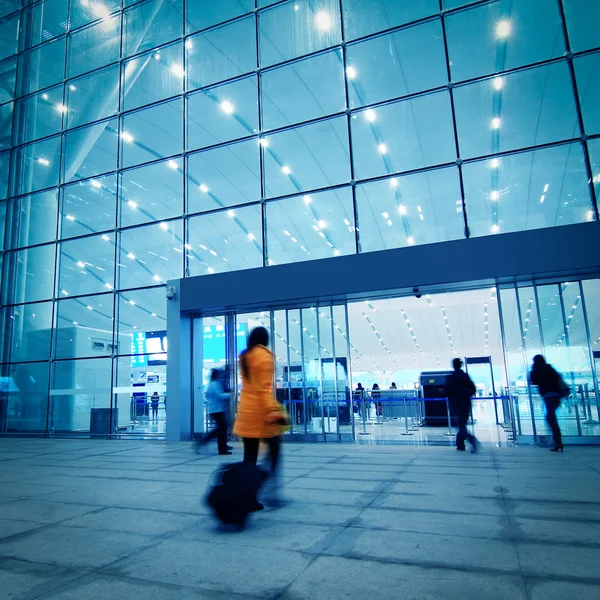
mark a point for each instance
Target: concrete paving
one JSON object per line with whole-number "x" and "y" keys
{"x": 93, "y": 519}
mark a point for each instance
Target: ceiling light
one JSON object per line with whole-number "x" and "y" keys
{"x": 70, "y": 218}
{"x": 402, "y": 209}
{"x": 80, "y": 264}
{"x": 132, "y": 204}
{"x": 156, "y": 278}
{"x": 286, "y": 170}
{"x": 178, "y": 71}
{"x": 394, "y": 182}
{"x": 351, "y": 72}
{"x": 495, "y": 229}
{"x": 108, "y": 286}
{"x": 210, "y": 270}
{"x": 164, "y": 226}
{"x": 323, "y": 20}
{"x": 203, "y": 188}
{"x": 546, "y": 187}
{"x": 410, "y": 240}
{"x": 45, "y": 96}
{"x": 494, "y": 195}
{"x": 389, "y": 222}
{"x": 95, "y": 184}
{"x": 131, "y": 255}
{"x": 100, "y": 10}
{"x": 227, "y": 107}
{"x": 231, "y": 213}
{"x": 61, "y": 108}
{"x": 264, "y": 142}
{"x": 44, "y": 161}
{"x": 494, "y": 163}
{"x": 382, "y": 148}
{"x": 189, "y": 44}
{"x": 307, "y": 200}
{"x": 542, "y": 198}
{"x": 370, "y": 115}
{"x": 498, "y": 82}
{"x": 385, "y": 215}
{"x": 106, "y": 238}
{"x": 503, "y": 28}
{"x": 126, "y": 137}
{"x": 495, "y": 123}
{"x": 251, "y": 237}
{"x": 322, "y": 224}
{"x": 172, "y": 164}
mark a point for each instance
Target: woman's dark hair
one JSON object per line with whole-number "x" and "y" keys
{"x": 214, "y": 374}
{"x": 259, "y": 336}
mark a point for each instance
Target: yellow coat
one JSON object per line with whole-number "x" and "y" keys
{"x": 257, "y": 401}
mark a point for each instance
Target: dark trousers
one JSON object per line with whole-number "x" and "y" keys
{"x": 155, "y": 412}
{"x": 462, "y": 416}
{"x": 219, "y": 432}
{"x": 251, "y": 446}
{"x": 552, "y": 403}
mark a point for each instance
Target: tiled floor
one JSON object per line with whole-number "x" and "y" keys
{"x": 91, "y": 519}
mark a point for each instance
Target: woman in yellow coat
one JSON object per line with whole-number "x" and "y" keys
{"x": 260, "y": 416}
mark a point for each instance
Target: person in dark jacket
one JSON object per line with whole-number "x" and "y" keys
{"x": 218, "y": 402}
{"x": 552, "y": 389}
{"x": 154, "y": 399}
{"x": 459, "y": 391}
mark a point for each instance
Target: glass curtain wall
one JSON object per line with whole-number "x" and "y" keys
{"x": 147, "y": 141}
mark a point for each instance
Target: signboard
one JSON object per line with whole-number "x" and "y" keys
{"x": 153, "y": 378}
{"x": 213, "y": 342}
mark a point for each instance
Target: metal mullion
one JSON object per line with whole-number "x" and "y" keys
{"x": 349, "y": 367}
{"x": 589, "y": 344}
{"x": 304, "y": 395}
{"x": 291, "y": 407}
{"x": 575, "y": 89}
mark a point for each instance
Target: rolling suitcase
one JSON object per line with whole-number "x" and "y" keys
{"x": 233, "y": 494}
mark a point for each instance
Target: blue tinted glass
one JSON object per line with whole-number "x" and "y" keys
{"x": 43, "y": 21}
{"x": 423, "y": 208}
{"x": 221, "y": 53}
{"x": 82, "y": 94}
{"x": 140, "y": 311}
{"x": 84, "y": 328}
{"x": 310, "y": 226}
{"x": 150, "y": 255}
{"x": 389, "y": 66}
{"x": 594, "y": 149}
{"x": 28, "y": 274}
{"x": 152, "y": 133}
{"x": 85, "y": 12}
{"x": 9, "y": 6}
{"x": 297, "y": 28}
{"x": 4, "y": 168}
{"x": 516, "y": 111}
{"x": 94, "y": 47}
{"x": 151, "y": 193}
{"x": 26, "y": 332}
{"x": 39, "y": 115}
{"x": 503, "y": 35}
{"x": 9, "y": 35}
{"x": 35, "y": 167}
{"x": 32, "y": 219}
{"x": 87, "y": 265}
{"x": 582, "y": 23}
{"x": 224, "y": 176}
{"x": 90, "y": 151}
{"x": 307, "y": 158}
{"x": 154, "y": 76}
{"x": 402, "y": 136}
{"x": 304, "y": 90}
{"x": 222, "y": 113}
{"x": 543, "y": 188}
{"x": 152, "y": 24}
{"x": 42, "y": 67}
{"x": 8, "y": 76}
{"x": 587, "y": 70}
{"x": 200, "y": 15}
{"x": 225, "y": 241}
{"x": 362, "y": 17}
{"x": 6, "y": 121}
{"x": 88, "y": 206}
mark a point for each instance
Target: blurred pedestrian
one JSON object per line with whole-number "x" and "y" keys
{"x": 260, "y": 416}
{"x": 459, "y": 391}
{"x": 552, "y": 389}
{"x": 154, "y": 399}
{"x": 218, "y": 403}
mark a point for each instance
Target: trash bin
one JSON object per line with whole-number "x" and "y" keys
{"x": 100, "y": 420}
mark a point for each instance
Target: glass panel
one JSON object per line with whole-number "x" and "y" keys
{"x": 362, "y": 17}
{"x": 32, "y": 219}
{"x": 82, "y": 97}
{"x": 4, "y": 167}
{"x": 224, "y": 241}
{"x": 587, "y": 70}
{"x": 403, "y": 136}
{"x": 84, "y": 327}
{"x": 43, "y": 21}
{"x": 9, "y": 6}
{"x": 342, "y": 368}
{"x": 6, "y": 122}
{"x": 88, "y": 206}
{"x": 306, "y": 158}
{"x": 9, "y": 35}
{"x": 150, "y": 255}
{"x": 86, "y": 12}
{"x": 543, "y": 188}
{"x": 151, "y": 193}
{"x": 223, "y": 113}
{"x": 312, "y": 372}
{"x": 294, "y": 29}
{"x": 582, "y": 16}
{"x": 498, "y": 36}
{"x": 8, "y": 76}
{"x": 39, "y": 116}
{"x": 94, "y": 47}
{"x": 28, "y": 403}
{"x": 155, "y": 132}
{"x": 295, "y": 373}
{"x": 393, "y": 65}
{"x": 579, "y": 358}
{"x": 224, "y": 176}
{"x": 42, "y": 67}
{"x": 200, "y": 15}
{"x": 328, "y": 375}
{"x": 35, "y": 167}
{"x": 594, "y": 148}
{"x": 87, "y": 265}
{"x": 78, "y": 388}
{"x": 591, "y": 294}
{"x": 90, "y": 151}
{"x": 151, "y": 24}
{"x": 153, "y": 76}
{"x": 140, "y": 311}
{"x": 213, "y": 56}
{"x": 516, "y": 111}
{"x": 310, "y": 227}
{"x": 280, "y": 350}
{"x": 28, "y": 275}
{"x": 403, "y": 211}
{"x": 303, "y": 90}
{"x": 26, "y": 332}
